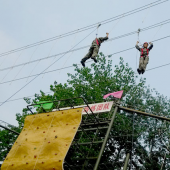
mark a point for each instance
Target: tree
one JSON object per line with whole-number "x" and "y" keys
{"x": 92, "y": 83}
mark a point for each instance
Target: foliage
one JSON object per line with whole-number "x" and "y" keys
{"x": 150, "y": 140}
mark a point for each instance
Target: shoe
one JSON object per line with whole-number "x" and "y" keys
{"x": 83, "y": 64}
{"x": 139, "y": 71}
{"x": 143, "y": 71}
{"x": 94, "y": 60}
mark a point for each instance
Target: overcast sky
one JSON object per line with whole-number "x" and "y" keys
{"x": 27, "y": 22}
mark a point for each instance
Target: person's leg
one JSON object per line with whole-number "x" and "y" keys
{"x": 140, "y": 65}
{"x": 146, "y": 61}
{"x": 95, "y": 53}
{"x": 87, "y": 56}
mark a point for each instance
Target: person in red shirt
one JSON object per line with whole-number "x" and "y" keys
{"x": 144, "y": 56}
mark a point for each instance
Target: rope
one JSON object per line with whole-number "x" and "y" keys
{"x": 11, "y": 67}
{"x": 44, "y": 70}
{"x": 71, "y": 53}
{"x": 115, "y": 38}
{"x": 97, "y": 30}
{"x": 156, "y": 32}
{"x": 112, "y": 30}
{"x": 146, "y": 15}
{"x": 133, "y": 118}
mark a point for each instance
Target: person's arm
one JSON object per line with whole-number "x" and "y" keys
{"x": 151, "y": 46}
{"x": 104, "y": 38}
{"x": 137, "y": 46}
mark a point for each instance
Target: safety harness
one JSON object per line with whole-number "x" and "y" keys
{"x": 142, "y": 52}
{"x": 97, "y": 42}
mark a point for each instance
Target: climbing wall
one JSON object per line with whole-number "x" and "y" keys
{"x": 44, "y": 141}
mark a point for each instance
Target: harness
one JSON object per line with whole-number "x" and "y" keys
{"x": 97, "y": 42}
{"x": 142, "y": 52}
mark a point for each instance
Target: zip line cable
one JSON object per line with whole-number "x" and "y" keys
{"x": 111, "y": 39}
{"x": 73, "y": 66}
{"x": 45, "y": 69}
{"x": 86, "y": 27}
{"x": 87, "y": 62}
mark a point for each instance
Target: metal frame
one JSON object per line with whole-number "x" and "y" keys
{"x": 6, "y": 126}
{"x": 93, "y": 134}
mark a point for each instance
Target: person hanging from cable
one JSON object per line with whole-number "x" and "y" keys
{"x": 144, "y": 56}
{"x": 94, "y": 49}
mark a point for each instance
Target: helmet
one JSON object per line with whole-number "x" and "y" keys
{"x": 145, "y": 43}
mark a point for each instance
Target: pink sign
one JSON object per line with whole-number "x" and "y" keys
{"x": 98, "y": 107}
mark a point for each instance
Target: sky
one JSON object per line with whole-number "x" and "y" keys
{"x": 26, "y": 22}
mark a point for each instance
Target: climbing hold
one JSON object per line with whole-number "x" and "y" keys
{"x": 54, "y": 130}
{"x": 43, "y": 131}
{"x": 67, "y": 124}
{"x": 12, "y": 165}
{"x": 35, "y": 148}
{"x": 37, "y": 127}
{"x": 42, "y": 162}
{"x": 53, "y": 168}
{"x": 44, "y": 138}
{"x": 66, "y": 144}
{"x": 77, "y": 110}
{"x": 56, "y": 136}
{"x": 26, "y": 162}
{"x": 55, "y": 153}
{"x": 62, "y": 112}
{"x": 51, "y": 125}
{"x": 24, "y": 156}
{"x": 48, "y": 141}
{"x": 59, "y": 160}
{"x": 26, "y": 139}
{"x": 48, "y": 115}
{"x": 74, "y": 127}
{"x": 35, "y": 156}
{"x": 26, "y": 134}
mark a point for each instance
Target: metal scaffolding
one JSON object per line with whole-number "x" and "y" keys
{"x": 89, "y": 148}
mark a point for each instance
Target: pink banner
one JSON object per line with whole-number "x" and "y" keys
{"x": 117, "y": 94}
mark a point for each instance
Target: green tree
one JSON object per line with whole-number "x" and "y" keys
{"x": 150, "y": 140}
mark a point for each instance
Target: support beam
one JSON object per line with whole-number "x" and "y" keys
{"x": 143, "y": 113}
{"x": 9, "y": 130}
{"x": 126, "y": 161}
{"x": 105, "y": 139}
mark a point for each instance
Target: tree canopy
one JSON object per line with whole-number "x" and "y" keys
{"x": 150, "y": 136}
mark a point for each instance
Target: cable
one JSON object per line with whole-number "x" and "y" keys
{"x": 87, "y": 62}
{"x": 45, "y": 69}
{"x": 80, "y": 64}
{"x": 85, "y": 28}
{"x": 111, "y": 39}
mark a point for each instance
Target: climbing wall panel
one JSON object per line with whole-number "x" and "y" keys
{"x": 44, "y": 141}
